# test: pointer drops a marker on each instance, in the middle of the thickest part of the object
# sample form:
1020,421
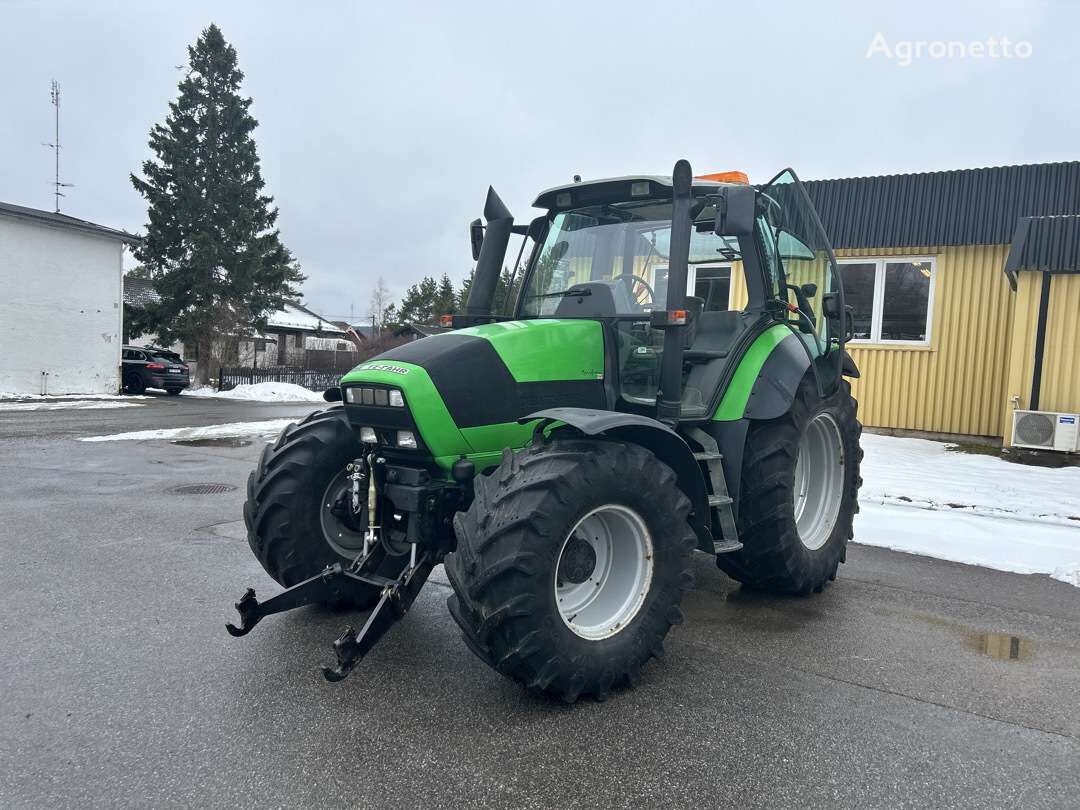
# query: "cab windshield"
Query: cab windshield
622,245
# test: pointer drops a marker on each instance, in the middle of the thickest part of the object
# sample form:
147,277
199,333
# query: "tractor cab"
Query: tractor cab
604,251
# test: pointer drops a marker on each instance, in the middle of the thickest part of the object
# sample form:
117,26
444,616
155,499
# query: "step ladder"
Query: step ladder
720,502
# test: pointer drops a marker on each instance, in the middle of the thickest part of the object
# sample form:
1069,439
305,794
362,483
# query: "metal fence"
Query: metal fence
314,379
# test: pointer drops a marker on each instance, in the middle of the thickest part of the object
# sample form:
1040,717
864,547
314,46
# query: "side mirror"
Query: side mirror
476,236
830,305
809,289
734,211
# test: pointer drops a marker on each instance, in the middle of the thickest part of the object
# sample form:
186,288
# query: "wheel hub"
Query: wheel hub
343,530
578,561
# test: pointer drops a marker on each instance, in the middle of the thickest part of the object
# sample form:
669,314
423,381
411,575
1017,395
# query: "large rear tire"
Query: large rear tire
288,495
570,565
799,494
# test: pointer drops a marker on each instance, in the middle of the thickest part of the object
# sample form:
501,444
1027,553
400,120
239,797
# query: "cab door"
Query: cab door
809,295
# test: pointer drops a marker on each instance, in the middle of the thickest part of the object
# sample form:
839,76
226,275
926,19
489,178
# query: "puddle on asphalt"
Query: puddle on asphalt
1001,646
228,441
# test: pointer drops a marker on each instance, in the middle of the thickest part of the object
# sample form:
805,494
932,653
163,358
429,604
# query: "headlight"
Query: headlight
367,435
406,439
362,395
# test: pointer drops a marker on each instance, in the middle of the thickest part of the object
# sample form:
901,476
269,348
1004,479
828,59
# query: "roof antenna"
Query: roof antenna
577,178
55,146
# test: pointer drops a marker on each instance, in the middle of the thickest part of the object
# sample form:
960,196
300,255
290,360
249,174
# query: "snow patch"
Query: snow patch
267,427
1069,574
5,395
920,498
70,405
261,392
921,473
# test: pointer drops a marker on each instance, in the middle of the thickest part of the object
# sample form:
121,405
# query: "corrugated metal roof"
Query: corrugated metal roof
1045,243
64,221
961,207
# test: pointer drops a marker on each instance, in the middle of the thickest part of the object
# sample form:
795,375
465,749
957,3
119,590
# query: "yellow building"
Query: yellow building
946,340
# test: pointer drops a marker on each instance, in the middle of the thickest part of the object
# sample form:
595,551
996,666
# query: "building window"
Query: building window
892,298
298,340
712,284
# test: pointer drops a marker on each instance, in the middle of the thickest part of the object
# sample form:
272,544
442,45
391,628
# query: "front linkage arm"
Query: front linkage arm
336,583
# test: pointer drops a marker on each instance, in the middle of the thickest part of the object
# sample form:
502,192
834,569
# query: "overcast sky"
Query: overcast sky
381,124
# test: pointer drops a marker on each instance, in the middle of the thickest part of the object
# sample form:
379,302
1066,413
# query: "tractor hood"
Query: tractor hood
465,390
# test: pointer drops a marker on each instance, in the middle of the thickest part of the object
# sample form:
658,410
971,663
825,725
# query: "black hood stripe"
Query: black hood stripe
477,387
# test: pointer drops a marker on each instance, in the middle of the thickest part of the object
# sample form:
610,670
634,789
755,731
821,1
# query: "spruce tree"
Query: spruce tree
419,302
445,299
211,244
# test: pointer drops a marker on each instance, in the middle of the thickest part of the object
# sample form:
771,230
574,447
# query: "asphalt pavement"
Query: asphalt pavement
150,412
908,682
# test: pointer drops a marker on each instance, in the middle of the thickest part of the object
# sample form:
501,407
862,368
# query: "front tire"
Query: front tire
799,494
570,565
288,528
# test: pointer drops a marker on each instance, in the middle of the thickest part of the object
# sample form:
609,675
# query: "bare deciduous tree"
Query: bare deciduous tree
380,300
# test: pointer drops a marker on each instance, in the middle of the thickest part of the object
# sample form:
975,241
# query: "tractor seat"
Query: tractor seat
715,335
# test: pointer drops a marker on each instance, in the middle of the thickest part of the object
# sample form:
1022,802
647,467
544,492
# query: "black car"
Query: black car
150,367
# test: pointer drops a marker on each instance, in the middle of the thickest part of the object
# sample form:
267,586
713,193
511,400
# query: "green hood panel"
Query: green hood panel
542,350
460,403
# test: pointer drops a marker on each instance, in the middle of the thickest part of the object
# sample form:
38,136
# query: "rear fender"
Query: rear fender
780,377
662,441
778,380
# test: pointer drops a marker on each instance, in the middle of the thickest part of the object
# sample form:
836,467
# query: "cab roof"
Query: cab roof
613,189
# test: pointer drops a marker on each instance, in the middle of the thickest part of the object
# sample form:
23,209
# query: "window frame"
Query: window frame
878,308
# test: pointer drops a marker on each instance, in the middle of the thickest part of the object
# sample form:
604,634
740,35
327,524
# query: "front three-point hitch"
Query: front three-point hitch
350,584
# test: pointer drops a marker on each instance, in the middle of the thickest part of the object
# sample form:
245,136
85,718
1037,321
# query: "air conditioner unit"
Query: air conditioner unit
1046,430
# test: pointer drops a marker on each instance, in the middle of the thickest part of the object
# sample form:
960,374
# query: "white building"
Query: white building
61,303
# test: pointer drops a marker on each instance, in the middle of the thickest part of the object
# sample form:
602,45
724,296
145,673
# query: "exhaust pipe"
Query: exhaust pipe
490,262
669,397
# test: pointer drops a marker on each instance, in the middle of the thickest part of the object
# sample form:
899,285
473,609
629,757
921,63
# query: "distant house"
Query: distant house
294,336
297,337
61,309
415,331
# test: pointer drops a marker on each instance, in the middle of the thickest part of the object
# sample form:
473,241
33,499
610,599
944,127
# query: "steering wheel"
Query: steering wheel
649,296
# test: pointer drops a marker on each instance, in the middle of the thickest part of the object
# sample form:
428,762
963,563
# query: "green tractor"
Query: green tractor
671,379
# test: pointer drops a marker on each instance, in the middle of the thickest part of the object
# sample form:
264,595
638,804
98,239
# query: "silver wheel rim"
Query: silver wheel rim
819,481
345,541
604,572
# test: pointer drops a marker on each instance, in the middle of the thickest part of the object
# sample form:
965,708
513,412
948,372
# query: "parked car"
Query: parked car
150,367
